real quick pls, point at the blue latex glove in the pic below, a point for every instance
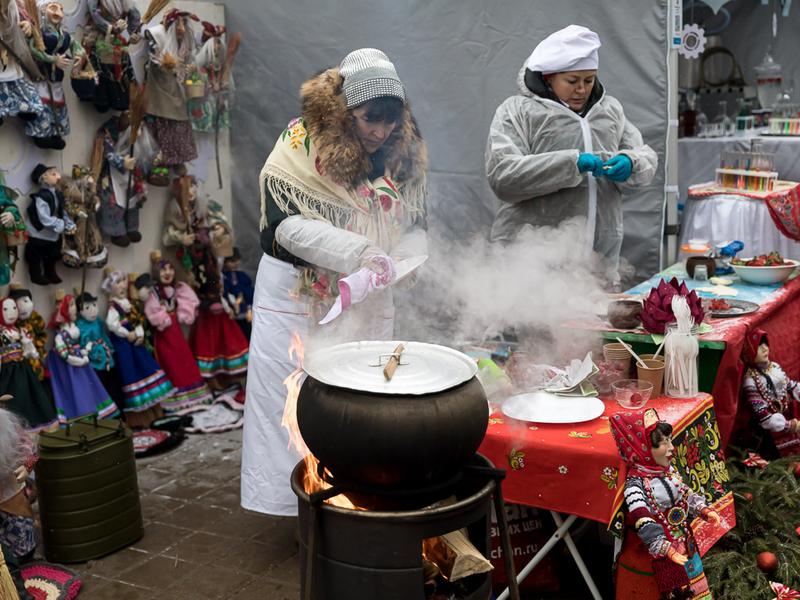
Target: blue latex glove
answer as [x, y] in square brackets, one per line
[620, 168]
[590, 162]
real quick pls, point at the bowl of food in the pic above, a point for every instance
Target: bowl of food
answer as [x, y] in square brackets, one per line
[765, 269]
[632, 393]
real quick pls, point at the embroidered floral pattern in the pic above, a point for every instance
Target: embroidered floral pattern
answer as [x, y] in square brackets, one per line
[609, 477]
[580, 435]
[516, 460]
[298, 135]
[563, 469]
[495, 420]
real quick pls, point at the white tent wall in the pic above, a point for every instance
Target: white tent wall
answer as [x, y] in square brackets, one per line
[458, 60]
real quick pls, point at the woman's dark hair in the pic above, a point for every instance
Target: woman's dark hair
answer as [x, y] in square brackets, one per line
[387, 109]
[660, 433]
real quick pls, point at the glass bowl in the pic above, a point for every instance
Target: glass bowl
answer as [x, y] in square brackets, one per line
[632, 393]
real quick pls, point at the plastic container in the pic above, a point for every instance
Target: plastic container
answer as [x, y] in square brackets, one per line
[617, 357]
[681, 351]
[632, 393]
[88, 491]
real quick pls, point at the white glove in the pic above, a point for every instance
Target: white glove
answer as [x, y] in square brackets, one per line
[77, 361]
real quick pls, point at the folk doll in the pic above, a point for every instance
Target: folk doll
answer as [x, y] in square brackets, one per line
[122, 186]
[169, 305]
[18, 96]
[144, 385]
[30, 401]
[114, 27]
[210, 109]
[13, 232]
[773, 395]
[659, 558]
[47, 221]
[139, 288]
[34, 326]
[17, 460]
[238, 288]
[55, 50]
[98, 345]
[85, 246]
[219, 345]
[76, 388]
[171, 54]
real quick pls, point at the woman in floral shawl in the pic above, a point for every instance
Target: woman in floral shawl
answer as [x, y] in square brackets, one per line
[342, 190]
[659, 558]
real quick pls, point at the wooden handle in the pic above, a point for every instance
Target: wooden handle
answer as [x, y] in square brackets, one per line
[394, 361]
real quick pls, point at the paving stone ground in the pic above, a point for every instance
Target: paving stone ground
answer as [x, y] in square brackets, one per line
[199, 544]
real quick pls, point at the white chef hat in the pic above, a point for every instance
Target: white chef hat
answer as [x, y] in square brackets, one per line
[573, 48]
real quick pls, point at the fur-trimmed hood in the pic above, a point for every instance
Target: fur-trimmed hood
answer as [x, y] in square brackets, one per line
[341, 154]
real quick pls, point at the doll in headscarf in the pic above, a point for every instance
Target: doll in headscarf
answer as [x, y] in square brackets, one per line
[99, 349]
[13, 232]
[114, 27]
[76, 388]
[144, 385]
[30, 401]
[773, 395]
[55, 50]
[211, 111]
[171, 56]
[659, 558]
[33, 324]
[169, 305]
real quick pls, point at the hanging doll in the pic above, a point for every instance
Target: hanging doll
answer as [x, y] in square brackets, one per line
[98, 345]
[17, 378]
[169, 305]
[13, 232]
[773, 395]
[76, 388]
[84, 247]
[238, 289]
[122, 184]
[171, 54]
[47, 221]
[18, 96]
[113, 28]
[17, 460]
[55, 50]
[210, 111]
[219, 345]
[144, 385]
[34, 326]
[659, 558]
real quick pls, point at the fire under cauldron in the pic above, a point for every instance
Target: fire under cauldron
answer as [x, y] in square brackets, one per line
[404, 440]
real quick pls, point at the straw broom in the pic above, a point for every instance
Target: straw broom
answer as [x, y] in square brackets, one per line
[155, 7]
[137, 109]
[36, 25]
[230, 54]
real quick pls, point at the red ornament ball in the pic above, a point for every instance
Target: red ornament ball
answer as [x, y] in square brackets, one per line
[797, 469]
[767, 562]
[797, 530]
[748, 496]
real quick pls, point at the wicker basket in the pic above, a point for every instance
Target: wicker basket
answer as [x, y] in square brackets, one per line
[195, 90]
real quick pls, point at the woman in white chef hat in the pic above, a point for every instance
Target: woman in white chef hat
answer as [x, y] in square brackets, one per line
[563, 148]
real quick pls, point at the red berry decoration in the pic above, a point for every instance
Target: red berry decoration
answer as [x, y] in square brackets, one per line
[797, 469]
[797, 531]
[636, 398]
[767, 562]
[748, 496]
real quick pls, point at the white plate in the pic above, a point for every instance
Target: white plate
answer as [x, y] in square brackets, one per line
[541, 407]
[405, 266]
[424, 368]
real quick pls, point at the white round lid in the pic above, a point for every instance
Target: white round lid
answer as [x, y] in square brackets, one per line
[424, 368]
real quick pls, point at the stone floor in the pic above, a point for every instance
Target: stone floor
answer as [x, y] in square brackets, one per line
[198, 543]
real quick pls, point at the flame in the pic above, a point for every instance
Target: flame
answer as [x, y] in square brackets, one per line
[312, 482]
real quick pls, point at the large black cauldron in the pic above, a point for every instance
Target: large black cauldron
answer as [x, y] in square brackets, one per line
[392, 440]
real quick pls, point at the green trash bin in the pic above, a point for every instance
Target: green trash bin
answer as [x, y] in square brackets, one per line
[88, 492]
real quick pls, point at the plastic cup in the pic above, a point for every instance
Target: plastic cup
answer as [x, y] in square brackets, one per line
[653, 373]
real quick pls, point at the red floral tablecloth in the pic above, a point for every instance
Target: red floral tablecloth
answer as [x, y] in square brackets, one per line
[574, 468]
